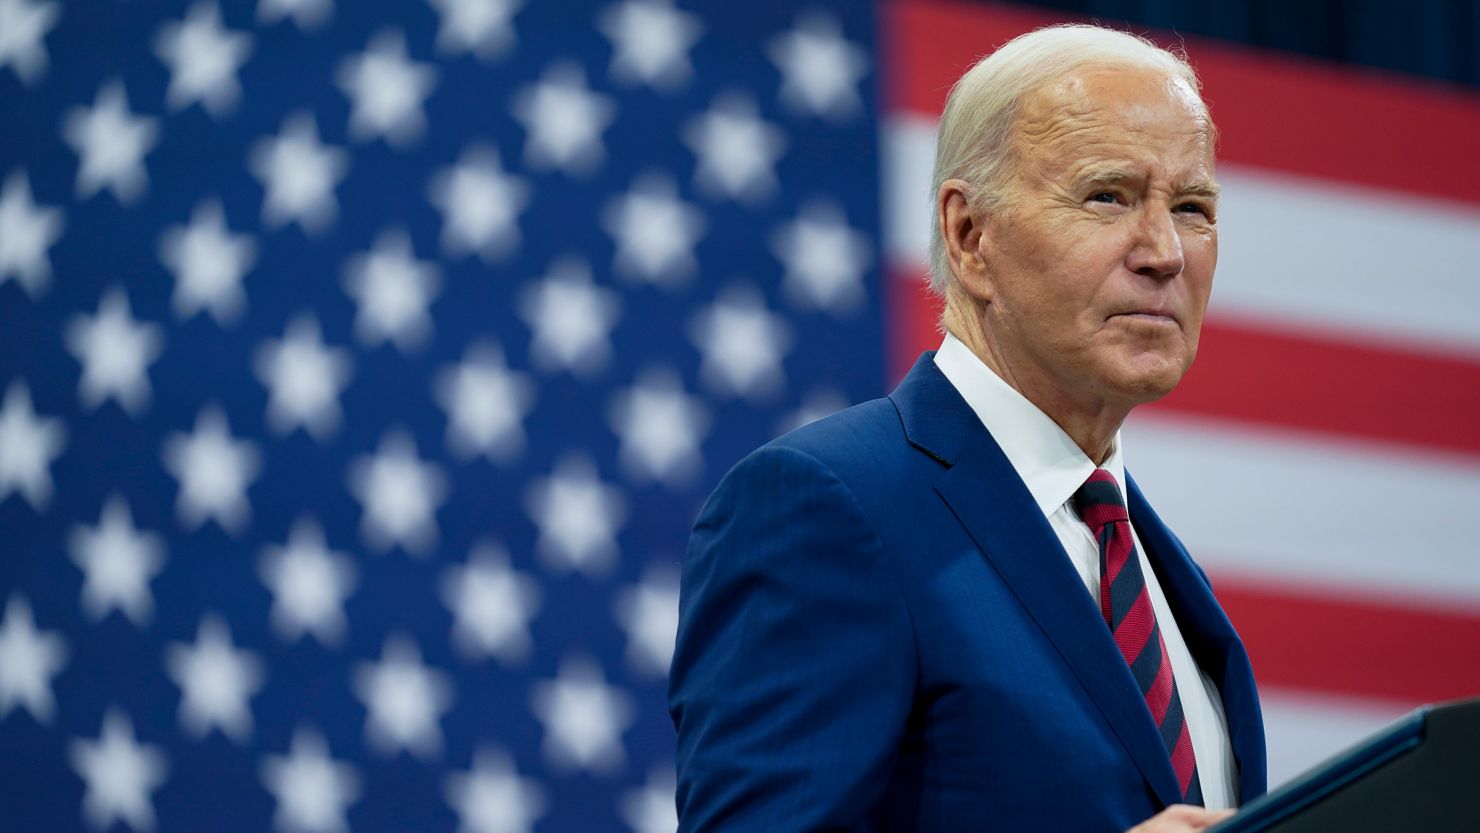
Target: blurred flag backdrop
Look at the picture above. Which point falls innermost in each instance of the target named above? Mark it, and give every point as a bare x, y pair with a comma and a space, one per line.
362, 367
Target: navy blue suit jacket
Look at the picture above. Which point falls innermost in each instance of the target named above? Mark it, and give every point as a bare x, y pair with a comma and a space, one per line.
880, 631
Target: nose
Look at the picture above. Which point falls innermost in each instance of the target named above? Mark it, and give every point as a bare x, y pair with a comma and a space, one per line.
1157, 252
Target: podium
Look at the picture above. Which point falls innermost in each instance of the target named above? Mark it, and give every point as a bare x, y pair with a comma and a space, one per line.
1422, 773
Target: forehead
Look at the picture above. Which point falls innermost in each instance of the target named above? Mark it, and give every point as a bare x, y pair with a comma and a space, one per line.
1128, 114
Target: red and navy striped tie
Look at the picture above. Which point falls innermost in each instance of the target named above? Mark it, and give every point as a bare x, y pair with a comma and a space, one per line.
1126, 604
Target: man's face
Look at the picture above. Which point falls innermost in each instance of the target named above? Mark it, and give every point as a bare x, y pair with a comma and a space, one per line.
1098, 267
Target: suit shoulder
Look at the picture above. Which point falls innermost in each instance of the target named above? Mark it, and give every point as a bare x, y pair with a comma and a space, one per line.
862, 447
832, 440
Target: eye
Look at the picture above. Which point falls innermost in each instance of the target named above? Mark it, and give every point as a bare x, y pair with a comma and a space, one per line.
1107, 197
1193, 208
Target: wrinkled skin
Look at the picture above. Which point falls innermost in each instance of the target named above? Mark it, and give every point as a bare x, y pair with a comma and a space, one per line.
1085, 290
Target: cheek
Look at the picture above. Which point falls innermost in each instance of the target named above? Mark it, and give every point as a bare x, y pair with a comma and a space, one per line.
1201, 258
1203, 245
1050, 272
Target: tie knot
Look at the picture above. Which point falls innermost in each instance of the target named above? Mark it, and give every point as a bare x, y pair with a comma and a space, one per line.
1098, 501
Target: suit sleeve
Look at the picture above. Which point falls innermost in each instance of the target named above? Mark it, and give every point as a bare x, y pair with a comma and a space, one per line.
794, 669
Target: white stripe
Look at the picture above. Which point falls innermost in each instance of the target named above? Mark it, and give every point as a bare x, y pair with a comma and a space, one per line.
1382, 266
1307, 510
908, 157
1303, 730
1389, 265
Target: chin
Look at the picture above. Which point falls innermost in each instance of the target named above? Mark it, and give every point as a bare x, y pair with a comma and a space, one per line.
1148, 381
1150, 392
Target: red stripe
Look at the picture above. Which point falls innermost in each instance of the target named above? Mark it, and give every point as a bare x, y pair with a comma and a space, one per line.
1105, 606
912, 311
1317, 641
1322, 383
1118, 556
1273, 110
1159, 698
1134, 634
1183, 760
1333, 386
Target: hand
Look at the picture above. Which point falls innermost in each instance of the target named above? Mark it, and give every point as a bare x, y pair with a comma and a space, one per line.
1181, 818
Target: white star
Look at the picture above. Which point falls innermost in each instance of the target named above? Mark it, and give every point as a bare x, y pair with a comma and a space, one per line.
480, 205
650, 42
309, 584
303, 378
486, 404
28, 660
659, 426
820, 69
28, 445
117, 561
111, 143
654, 230
571, 319
742, 343
405, 700
491, 605
216, 680
306, 14
478, 26
120, 773
392, 290
737, 151
311, 789
23, 25
648, 613
825, 259
652, 809
492, 798
208, 262
299, 174
398, 495
386, 90
578, 517
203, 59
115, 352
818, 404
583, 718
563, 120
27, 230
214, 471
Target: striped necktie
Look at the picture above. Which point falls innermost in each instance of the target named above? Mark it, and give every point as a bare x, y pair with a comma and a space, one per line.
1126, 604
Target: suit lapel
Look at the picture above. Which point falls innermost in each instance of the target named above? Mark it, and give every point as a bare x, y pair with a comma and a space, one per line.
1211, 639
999, 514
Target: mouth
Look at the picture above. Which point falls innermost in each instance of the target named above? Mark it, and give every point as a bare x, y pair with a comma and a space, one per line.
1156, 318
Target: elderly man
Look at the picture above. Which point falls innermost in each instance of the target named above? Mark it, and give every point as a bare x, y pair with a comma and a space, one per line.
951, 609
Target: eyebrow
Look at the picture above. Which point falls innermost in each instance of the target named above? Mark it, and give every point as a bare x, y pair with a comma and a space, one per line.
1103, 176
1205, 188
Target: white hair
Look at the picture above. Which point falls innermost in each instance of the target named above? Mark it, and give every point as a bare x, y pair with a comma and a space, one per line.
975, 139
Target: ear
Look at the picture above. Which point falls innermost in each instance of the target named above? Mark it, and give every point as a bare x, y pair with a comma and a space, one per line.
962, 229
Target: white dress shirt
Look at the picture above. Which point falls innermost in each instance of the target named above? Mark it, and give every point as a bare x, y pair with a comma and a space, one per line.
1053, 468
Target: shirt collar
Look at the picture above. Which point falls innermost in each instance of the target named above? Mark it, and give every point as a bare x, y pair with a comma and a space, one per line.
1050, 464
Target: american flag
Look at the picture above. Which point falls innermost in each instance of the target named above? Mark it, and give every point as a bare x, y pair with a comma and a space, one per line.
362, 367
1320, 459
